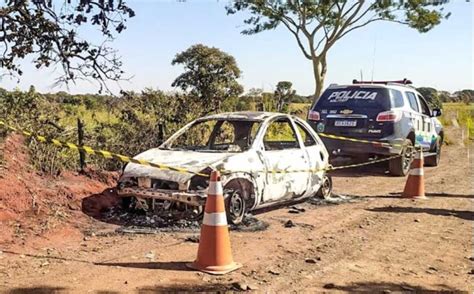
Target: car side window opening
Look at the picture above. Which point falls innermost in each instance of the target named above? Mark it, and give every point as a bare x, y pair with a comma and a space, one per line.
424, 107
396, 98
308, 140
280, 135
412, 101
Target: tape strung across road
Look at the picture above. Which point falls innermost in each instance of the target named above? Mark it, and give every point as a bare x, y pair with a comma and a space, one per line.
123, 158
330, 136
103, 153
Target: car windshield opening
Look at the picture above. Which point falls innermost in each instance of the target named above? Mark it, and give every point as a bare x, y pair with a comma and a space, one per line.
217, 135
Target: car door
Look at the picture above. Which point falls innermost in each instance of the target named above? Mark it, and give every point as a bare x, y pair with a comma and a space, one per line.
428, 139
286, 162
415, 117
317, 156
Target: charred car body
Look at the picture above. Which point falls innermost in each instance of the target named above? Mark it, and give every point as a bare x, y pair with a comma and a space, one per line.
390, 112
247, 147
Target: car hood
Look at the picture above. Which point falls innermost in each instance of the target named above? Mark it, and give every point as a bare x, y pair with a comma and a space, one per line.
189, 160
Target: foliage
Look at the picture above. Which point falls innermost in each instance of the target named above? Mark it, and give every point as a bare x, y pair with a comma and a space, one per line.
466, 96
283, 94
129, 124
318, 24
431, 96
31, 111
210, 76
462, 113
47, 31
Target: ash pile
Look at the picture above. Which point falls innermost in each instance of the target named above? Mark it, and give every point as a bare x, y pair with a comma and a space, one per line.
334, 199
167, 217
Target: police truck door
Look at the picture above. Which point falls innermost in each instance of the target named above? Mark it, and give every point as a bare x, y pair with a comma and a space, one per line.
416, 118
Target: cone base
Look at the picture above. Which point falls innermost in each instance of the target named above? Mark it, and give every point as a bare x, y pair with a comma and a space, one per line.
215, 269
415, 197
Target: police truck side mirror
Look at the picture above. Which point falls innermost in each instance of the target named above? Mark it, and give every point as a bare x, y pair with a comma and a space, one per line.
437, 112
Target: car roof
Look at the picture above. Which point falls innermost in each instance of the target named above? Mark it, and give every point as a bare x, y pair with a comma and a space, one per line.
244, 115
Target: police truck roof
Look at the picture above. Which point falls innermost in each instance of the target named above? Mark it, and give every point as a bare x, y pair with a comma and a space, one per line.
403, 82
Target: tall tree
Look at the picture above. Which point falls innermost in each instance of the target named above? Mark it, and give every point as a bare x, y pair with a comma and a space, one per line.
318, 24
210, 76
432, 96
47, 32
283, 94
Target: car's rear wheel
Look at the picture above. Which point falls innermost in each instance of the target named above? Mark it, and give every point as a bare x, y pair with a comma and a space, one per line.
400, 166
235, 205
433, 160
325, 190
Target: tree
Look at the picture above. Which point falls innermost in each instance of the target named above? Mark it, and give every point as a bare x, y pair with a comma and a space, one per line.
210, 76
432, 97
318, 24
283, 94
466, 96
47, 31
444, 96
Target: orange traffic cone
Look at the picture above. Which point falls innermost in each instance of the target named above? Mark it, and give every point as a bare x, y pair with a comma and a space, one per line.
415, 186
214, 252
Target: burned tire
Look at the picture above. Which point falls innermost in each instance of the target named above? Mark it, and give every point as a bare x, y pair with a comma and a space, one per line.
133, 204
434, 159
325, 190
126, 203
400, 166
235, 206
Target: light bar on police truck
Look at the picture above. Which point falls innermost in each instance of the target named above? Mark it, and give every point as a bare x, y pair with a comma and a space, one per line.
313, 115
403, 82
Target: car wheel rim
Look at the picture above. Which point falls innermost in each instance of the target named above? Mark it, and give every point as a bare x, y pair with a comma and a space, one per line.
236, 205
406, 159
326, 188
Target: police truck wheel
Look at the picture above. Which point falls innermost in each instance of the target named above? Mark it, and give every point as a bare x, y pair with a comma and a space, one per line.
235, 203
434, 159
400, 166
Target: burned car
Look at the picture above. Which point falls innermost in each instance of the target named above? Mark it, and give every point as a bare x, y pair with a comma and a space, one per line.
264, 159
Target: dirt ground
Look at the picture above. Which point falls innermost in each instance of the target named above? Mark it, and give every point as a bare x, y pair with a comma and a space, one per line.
376, 242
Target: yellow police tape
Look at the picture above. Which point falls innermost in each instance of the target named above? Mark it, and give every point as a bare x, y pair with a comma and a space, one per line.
103, 153
359, 140
123, 158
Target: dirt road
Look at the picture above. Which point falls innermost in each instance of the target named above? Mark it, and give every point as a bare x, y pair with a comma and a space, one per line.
375, 242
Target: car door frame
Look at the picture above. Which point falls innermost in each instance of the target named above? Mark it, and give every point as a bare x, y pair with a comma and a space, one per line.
321, 157
428, 122
269, 176
415, 116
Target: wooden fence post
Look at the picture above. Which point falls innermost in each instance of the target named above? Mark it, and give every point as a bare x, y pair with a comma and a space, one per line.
80, 141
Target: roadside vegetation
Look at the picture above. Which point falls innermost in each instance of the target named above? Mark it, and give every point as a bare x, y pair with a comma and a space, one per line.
135, 122
462, 115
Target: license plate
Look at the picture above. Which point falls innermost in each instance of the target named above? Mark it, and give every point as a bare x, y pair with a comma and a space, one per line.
144, 182
345, 123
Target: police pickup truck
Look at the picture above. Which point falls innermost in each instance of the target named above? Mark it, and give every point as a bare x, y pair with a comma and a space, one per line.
390, 112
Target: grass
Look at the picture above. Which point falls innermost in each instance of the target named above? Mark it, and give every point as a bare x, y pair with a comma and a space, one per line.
462, 113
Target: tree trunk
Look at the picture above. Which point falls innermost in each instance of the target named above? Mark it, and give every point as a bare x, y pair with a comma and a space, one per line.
319, 71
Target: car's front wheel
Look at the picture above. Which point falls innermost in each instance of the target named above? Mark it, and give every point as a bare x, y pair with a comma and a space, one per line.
400, 166
235, 205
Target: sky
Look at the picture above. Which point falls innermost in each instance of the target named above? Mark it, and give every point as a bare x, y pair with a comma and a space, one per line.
441, 58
